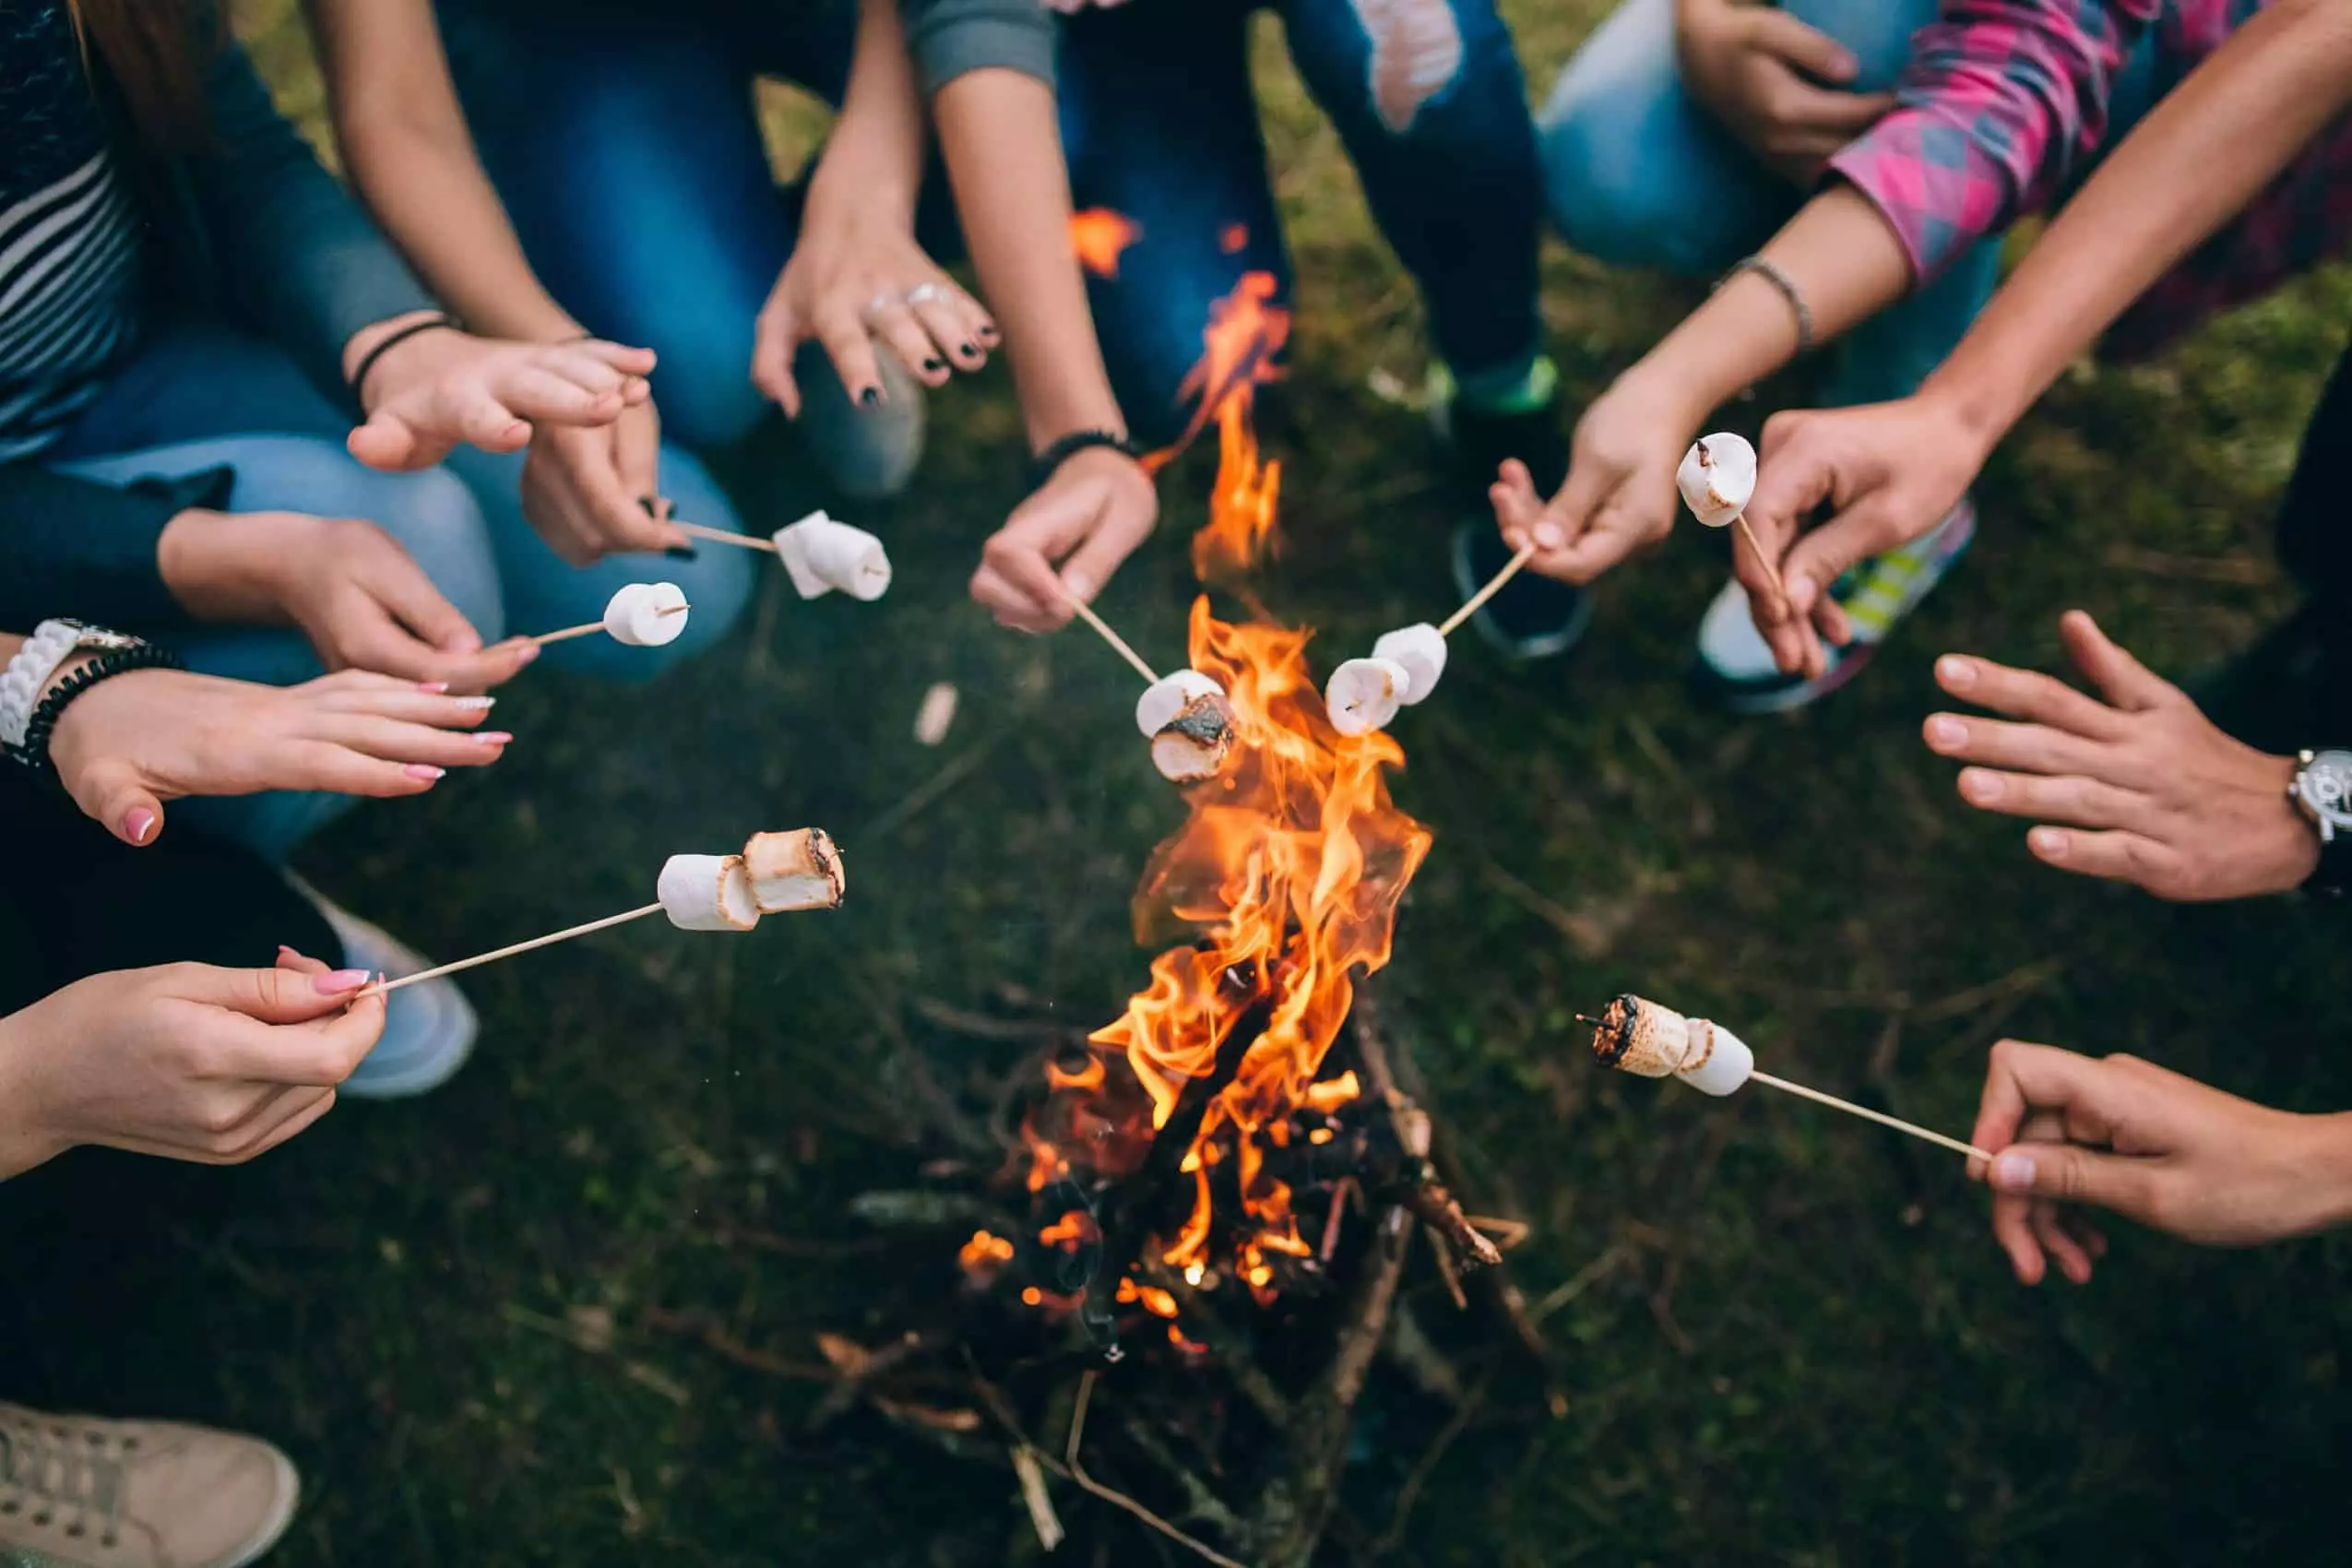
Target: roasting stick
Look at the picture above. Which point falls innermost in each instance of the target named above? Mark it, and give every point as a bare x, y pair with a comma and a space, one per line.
818, 554
1363, 695
384, 987
589, 628
724, 536
1118, 643
1477, 602
1636, 1035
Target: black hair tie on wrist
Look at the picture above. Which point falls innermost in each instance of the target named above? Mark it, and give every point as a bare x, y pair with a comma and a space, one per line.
34, 753
1047, 463
438, 321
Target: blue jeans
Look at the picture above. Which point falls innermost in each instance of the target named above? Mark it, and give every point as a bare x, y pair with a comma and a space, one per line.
199, 396
623, 142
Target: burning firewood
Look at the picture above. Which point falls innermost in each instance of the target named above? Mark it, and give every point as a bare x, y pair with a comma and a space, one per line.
1636, 1035
1717, 475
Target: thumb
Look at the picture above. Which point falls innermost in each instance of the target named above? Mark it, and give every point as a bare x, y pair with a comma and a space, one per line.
1827, 554
1808, 49
2069, 1173
113, 793
386, 442
274, 995
2126, 682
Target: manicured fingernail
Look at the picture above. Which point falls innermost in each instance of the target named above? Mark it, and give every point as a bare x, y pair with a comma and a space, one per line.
2050, 843
987, 333
647, 503
1549, 537
870, 398
969, 350
682, 552
337, 981
1979, 785
436, 687
481, 705
492, 737
2012, 1172
1945, 732
1954, 670
934, 363
424, 770
139, 824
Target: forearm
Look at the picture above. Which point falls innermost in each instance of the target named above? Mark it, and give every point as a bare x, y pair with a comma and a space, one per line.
1844, 261
874, 160
998, 131
23, 1143
2237, 121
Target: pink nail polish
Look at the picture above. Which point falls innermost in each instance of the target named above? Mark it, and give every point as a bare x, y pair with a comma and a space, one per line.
424, 770
339, 982
139, 824
492, 737
436, 687
479, 705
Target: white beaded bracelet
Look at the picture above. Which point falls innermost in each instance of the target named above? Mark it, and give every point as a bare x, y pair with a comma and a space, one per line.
52, 643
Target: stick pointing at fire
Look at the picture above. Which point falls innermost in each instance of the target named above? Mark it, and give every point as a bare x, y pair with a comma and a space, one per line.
1635, 1034
1185, 716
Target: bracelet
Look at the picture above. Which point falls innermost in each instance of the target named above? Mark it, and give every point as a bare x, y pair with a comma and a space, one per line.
438, 321
52, 643
1045, 464
34, 752
1771, 273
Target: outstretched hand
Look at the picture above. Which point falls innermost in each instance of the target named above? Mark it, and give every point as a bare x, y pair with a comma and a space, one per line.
1064, 541
444, 388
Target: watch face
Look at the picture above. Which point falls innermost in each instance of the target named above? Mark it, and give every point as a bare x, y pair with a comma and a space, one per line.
2325, 785
100, 638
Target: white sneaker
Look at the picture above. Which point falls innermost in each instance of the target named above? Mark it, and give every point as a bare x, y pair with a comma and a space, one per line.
80, 1493
429, 1028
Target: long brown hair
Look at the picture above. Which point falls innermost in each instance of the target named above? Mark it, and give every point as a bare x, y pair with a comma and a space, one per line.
157, 52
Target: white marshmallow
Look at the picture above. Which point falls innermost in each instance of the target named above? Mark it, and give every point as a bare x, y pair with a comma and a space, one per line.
1166, 697
646, 614
1422, 650
1364, 694
1717, 475
1717, 1060
823, 555
708, 893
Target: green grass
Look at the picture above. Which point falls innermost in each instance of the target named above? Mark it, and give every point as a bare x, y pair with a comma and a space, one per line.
1803, 1347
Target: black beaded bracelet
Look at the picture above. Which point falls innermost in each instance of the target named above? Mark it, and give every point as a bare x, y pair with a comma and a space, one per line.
34, 753
439, 321
1047, 463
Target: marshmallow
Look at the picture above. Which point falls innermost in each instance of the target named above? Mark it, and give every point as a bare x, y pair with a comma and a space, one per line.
1638, 1035
1717, 475
1422, 650
1167, 697
823, 555
646, 614
708, 893
800, 870
1364, 694
1193, 745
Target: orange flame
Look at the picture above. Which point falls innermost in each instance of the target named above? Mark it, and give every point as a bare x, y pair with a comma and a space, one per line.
1099, 234
1246, 333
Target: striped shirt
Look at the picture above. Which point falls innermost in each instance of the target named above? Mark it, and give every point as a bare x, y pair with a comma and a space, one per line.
70, 280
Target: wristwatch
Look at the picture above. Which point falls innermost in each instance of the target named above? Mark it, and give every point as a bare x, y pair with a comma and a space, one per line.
2322, 790
52, 643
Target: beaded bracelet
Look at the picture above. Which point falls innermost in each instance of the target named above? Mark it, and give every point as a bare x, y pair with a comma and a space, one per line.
1047, 463
34, 752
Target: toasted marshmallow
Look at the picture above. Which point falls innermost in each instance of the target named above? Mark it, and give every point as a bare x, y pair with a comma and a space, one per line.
1636, 1035
1193, 745
708, 893
646, 614
1166, 697
1717, 475
823, 555
1363, 695
800, 870
1420, 649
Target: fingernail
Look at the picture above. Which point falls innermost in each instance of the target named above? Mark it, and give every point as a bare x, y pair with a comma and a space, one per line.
2012, 1172
647, 503
870, 398
481, 705
934, 362
1979, 785
286, 952
530, 652
424, 770
1080, 587
336, 983
1800, 594
1846, 63
492, 737
1954, 670
969, 350
436, 687
2050, 843
1549, 537
139, 824
466, 642
682, 552
1944, 732
987, 334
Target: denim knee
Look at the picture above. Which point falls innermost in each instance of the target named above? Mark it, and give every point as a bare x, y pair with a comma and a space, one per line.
703, 382
1611, 196
436, 520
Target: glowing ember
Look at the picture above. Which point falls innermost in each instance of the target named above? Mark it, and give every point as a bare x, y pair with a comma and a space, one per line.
1099, 234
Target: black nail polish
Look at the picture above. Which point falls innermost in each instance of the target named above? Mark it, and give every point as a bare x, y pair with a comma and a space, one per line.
968, 351
990, 334
682, 552
646, 502
934, 363
871, 397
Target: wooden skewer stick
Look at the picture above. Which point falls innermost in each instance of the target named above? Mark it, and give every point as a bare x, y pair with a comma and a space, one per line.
384, 987
589, 628
1118, 643
1755, 544
1477, 602
724, 536
1867, 1114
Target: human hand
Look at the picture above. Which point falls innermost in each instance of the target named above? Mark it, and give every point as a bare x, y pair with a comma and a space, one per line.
1089, 516
1620, 494
2170, 801
2125, 1135
186, 1061
446, 389
1888, 471
595, 491
857, 277
131, 743
1761, 72
359, 598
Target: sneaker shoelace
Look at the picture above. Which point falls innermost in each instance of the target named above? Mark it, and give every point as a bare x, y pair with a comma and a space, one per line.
45, 1471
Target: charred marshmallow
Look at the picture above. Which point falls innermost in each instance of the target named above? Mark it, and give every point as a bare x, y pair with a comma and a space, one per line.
800, 870
1636, 1035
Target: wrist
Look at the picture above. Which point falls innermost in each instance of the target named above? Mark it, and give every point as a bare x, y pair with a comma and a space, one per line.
383, 353
1975, 409
857, 185
231, 567
2327, 1155
24, 1141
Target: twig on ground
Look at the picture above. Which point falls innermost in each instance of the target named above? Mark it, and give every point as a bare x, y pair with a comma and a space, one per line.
702, 1328
1120, 1499
1410, 1493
